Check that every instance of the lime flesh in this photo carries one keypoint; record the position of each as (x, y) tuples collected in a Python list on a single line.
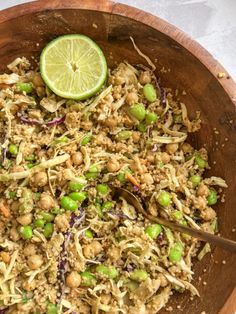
[(73, 66)]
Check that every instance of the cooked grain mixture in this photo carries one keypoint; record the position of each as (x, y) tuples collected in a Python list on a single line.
[(66, 246)]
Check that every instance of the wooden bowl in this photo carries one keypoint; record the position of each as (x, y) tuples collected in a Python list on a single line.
[(24, 31)]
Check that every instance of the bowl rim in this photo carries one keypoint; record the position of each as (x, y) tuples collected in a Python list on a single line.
[(157, 23)]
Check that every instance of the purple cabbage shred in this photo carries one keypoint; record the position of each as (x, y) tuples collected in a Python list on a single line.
[(3, 311), (155, 147), (74, 222), (29, 121), (53, 122)]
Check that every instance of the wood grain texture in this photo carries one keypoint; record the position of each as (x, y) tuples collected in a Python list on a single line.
[(24, 30)]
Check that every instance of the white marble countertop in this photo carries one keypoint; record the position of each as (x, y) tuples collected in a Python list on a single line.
[(211, 22)]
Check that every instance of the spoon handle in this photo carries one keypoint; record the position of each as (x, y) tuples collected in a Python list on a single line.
[(225, 244)]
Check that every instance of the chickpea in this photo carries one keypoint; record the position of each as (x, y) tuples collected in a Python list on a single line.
[(186, 148), (114, 254), (111, 122), (5, 256), (136, 137), (14, 109), (25, 307), (62, 223), (46, 202), (25, 219), (35, 261), (165, 158), (172, 148), (200, 203), (208, 214), (39, 179), (202, 190), (77, 158), (92, 249), (131, 98), (147, 178), (14, 234), (29, 286), (30, 249), (145, 78), (113, 165), (87, 125), (73, 280), (37, 80), (35, 114)]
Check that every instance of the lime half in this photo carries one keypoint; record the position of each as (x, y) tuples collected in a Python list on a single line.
[(73, 66)]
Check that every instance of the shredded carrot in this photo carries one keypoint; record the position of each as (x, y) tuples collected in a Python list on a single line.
[(132, 179), (5, 210)]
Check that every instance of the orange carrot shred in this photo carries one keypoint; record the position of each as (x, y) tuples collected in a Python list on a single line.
[(132, 179), (5, 210)]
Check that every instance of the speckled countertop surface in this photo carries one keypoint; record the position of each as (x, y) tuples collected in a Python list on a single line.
[(211, 22)]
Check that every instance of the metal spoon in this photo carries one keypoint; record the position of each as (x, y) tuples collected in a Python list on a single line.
[(225, 244)]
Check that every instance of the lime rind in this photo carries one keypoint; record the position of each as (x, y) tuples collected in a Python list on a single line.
[(56, 65)]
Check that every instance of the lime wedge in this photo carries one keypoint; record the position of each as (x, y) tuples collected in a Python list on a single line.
[(73, 66)]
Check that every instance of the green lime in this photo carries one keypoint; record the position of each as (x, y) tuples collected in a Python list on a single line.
[(73, 66)]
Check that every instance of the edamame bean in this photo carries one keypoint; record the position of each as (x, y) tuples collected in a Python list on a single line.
[(39, 223), (109, 272), (89, 234), (92, 172), (177, 215), (164, 198), (151, 118), (176, 253), (62, 139), (102, 189), (195, 179), (12, 194), (153, 231), (149, 92), (107, 205), (47, 216), (68, 204), (88, 279), (86, 140), (13, 149), (124, 135), (24, 87), (142, 127), (138, 111), (26, 232), (30, 158), (57, 211), (78, 196), (139, 275), (212, 197), (48, 230), (51, 309), (201, 163), (122, 175), (76, 186)]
